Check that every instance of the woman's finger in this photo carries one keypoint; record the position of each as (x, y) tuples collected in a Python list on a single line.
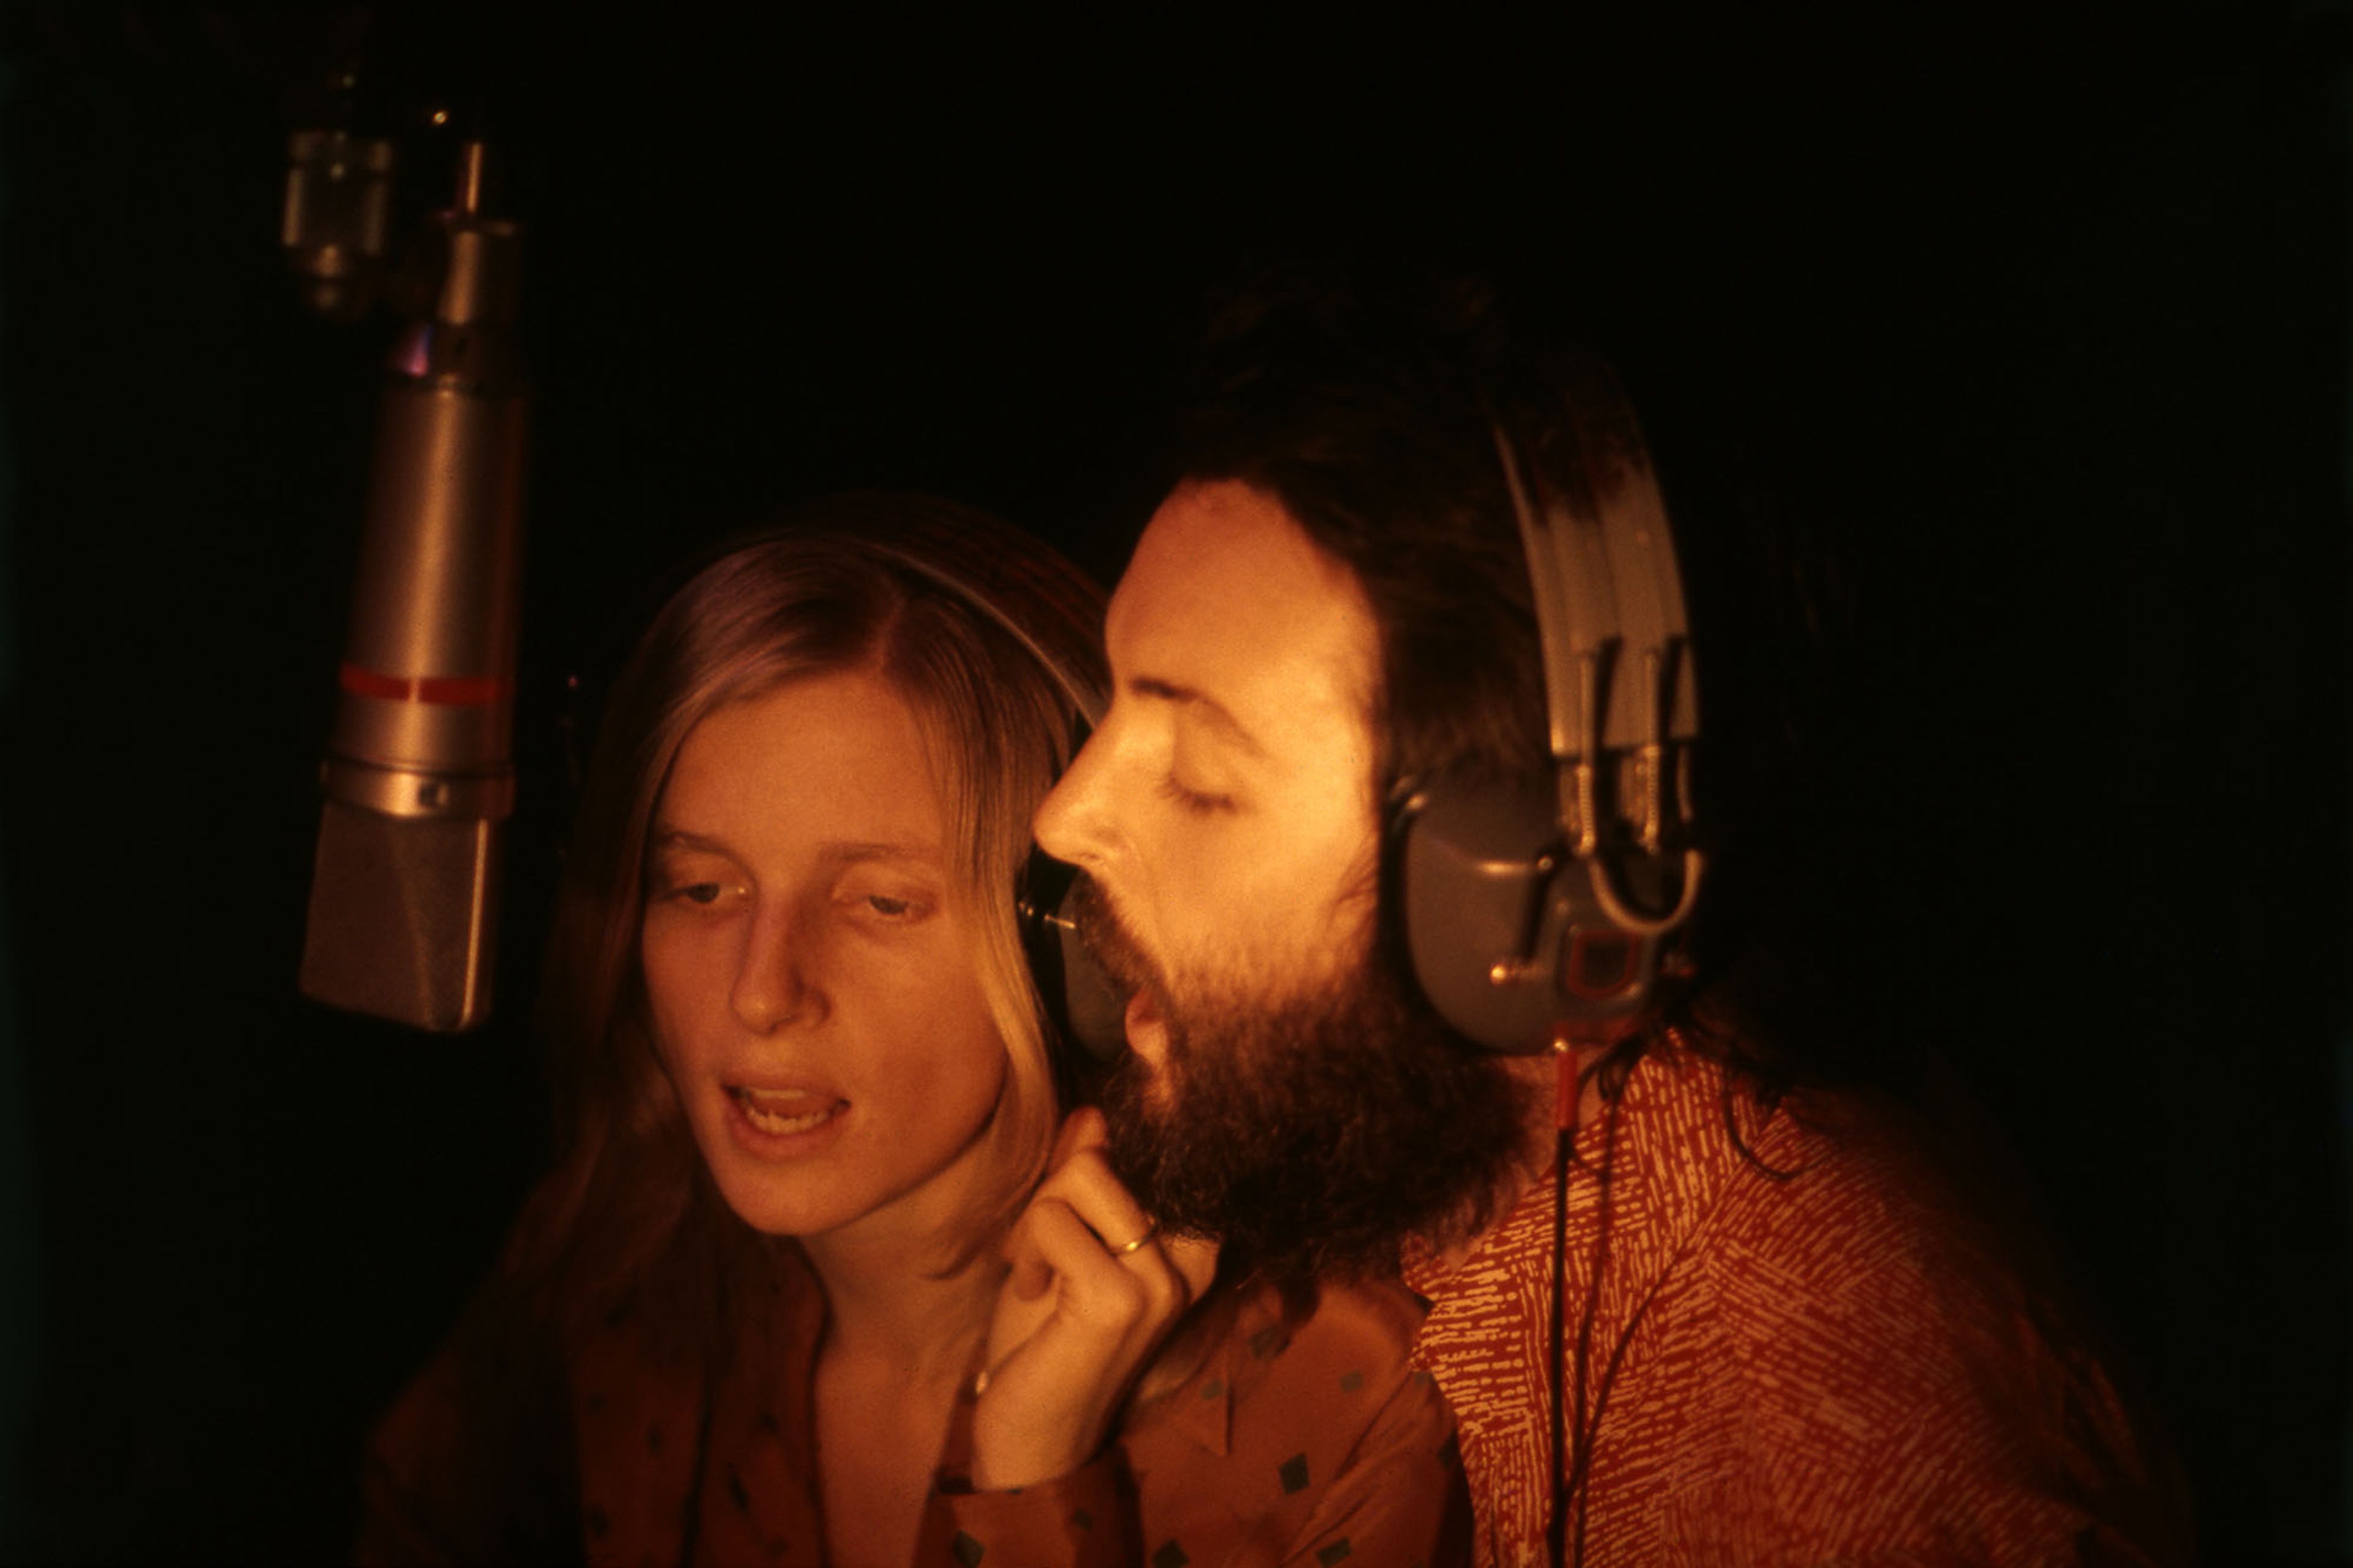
[(1081, 1129), (1195, 1260), (1030, 1274), (1061, 1358), (1108, 1295), (1085, 1181)]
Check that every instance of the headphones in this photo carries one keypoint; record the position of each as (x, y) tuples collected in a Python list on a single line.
[(1037, 598), (1027, 590), (1533, 916)]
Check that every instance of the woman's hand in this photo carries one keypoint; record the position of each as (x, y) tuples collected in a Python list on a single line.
[(1094, 1288)]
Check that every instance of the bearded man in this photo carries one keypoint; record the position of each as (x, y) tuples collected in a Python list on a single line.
[(1755, 1314)]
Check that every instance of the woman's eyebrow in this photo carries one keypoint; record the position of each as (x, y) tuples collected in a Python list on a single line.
[(669, 838), (851, 850)]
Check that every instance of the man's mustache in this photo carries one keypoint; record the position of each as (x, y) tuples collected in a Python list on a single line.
[(1113, 944)]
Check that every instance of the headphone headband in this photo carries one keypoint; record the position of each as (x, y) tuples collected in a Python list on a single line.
[(992, 568), (1045, 604), (1535, 916), (1007, 575)]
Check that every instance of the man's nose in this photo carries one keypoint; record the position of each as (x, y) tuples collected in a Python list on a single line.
[(1072, 822), (775, 983)]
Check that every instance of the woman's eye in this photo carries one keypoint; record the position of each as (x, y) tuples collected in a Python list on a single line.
[(705, 893), (899, 907)]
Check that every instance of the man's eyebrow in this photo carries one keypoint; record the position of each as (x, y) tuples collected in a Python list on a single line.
[(1195, 700)]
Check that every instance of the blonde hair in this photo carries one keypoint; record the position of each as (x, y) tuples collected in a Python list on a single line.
[(919, 592)]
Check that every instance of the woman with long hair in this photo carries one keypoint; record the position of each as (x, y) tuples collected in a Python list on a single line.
[(761, 1309)]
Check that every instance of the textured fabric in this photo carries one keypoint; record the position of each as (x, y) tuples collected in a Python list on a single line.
[(474, 1463), (1312, 1446), (1831, 1354), (521, 1442)]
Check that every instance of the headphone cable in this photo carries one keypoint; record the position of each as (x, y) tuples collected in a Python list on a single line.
[(1564, 1094)]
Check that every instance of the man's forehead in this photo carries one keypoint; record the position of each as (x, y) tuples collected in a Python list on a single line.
[(1223, 576), (1232, 618)]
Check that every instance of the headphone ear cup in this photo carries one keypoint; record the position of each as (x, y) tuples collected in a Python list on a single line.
[(1503, 929), (1082, 1003), (1048, 607)]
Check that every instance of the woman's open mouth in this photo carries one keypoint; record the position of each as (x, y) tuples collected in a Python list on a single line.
[(781, 1113)]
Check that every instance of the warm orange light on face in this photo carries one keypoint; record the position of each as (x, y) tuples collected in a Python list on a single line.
[(1226, 805), (810, 967)]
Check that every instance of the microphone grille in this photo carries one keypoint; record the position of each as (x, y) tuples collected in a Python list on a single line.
[(403, 914)]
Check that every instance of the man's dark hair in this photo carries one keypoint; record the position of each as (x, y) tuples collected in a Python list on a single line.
[(1368, 409), (1369, 420)]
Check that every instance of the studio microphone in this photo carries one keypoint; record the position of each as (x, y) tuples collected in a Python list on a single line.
[(419, 776)]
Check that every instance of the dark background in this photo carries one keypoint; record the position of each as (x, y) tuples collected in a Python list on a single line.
[(2043, 320)]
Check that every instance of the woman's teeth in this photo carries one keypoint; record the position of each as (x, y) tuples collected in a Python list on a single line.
[(780, 1111)]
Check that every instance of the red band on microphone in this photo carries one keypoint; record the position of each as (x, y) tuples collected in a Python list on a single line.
[(441, 690)]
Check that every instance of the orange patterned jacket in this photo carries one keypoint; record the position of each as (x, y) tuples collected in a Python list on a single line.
[(1835, 1352), (1305, 1444)]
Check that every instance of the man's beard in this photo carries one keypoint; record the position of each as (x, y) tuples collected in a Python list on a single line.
[(1310, 1131)]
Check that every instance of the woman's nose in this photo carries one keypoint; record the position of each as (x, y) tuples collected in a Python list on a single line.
[(773, 983)]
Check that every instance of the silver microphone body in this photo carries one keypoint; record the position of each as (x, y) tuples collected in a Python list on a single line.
[(419, 776)]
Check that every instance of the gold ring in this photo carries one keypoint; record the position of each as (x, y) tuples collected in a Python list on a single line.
[(1151, 1229)]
